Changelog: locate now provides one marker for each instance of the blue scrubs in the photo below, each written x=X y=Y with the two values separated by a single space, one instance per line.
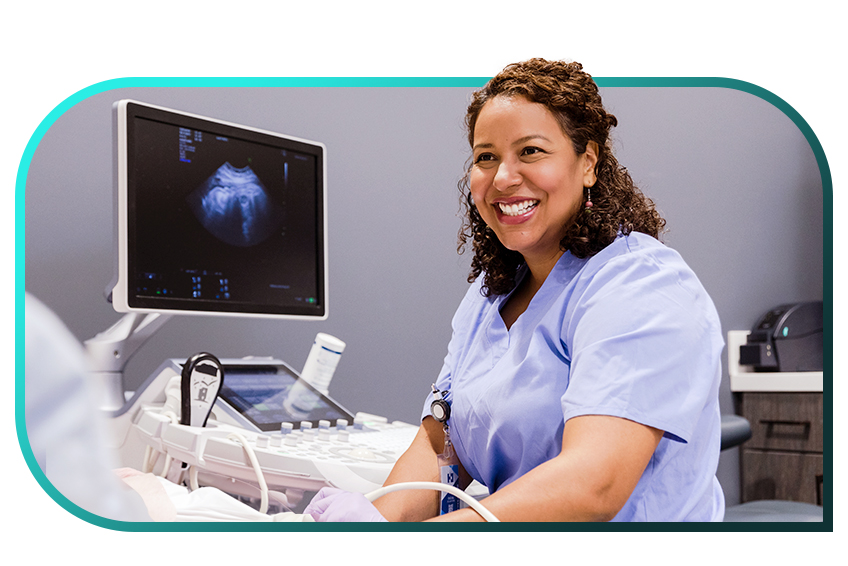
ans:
x=630 y=333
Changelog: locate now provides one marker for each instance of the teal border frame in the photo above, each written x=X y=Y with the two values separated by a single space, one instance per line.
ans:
x=397 y=82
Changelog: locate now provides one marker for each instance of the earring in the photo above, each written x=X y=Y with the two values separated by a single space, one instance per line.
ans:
x=589 y=199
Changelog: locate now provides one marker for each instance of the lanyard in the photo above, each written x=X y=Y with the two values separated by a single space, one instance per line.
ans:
x=448 y=461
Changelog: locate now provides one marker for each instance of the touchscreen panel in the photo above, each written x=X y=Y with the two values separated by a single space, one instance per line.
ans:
x=270 y=395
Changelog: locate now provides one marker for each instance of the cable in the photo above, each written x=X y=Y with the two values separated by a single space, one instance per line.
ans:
x=192 y=478
x=168 y=458
x=149 y=459
x=473 y=503
x=260 y=478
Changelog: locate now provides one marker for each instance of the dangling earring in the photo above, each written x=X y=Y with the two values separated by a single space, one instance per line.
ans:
x=589 y=199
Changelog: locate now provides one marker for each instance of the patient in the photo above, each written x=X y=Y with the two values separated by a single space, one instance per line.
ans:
x=67 y=436
x=63 y=424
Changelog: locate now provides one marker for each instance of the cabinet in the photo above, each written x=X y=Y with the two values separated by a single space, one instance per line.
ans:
x=783 y=459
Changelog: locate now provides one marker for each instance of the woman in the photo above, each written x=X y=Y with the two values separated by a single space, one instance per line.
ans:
x=584 y=367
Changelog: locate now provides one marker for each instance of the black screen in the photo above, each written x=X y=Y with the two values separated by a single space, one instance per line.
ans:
x=222 y=218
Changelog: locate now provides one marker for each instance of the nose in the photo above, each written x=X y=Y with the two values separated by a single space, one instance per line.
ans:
x=507 y=175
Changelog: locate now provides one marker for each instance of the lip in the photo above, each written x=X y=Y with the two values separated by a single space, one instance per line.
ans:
x=519 y=219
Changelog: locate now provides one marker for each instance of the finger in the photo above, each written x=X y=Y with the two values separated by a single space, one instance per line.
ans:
x=322 y=500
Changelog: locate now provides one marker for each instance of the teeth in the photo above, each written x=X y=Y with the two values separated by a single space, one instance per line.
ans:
x=517 y=208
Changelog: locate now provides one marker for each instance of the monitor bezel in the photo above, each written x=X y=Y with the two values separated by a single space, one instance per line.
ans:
x=122 y=298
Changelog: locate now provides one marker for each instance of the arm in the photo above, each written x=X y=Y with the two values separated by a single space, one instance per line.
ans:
x=418 y=463
x=600 y=464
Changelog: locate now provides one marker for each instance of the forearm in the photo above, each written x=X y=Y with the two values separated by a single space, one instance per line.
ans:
x=418 y=463
x=600 y=464
x=553 y=491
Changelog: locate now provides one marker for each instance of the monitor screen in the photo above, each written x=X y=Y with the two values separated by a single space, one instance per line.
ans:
x=271 y=395
x=217 y=218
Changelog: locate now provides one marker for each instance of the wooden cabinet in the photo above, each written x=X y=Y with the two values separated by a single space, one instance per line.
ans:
x=783 y=459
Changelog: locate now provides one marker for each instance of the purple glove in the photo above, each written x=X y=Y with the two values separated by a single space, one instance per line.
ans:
x=331 y=505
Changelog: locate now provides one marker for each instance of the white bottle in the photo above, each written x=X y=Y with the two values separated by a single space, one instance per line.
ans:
x=322 y=361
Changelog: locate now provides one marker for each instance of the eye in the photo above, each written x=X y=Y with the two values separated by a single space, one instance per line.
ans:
x=531 y=151
x=484 y=157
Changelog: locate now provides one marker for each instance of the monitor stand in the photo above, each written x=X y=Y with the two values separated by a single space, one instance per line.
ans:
x=111 y=350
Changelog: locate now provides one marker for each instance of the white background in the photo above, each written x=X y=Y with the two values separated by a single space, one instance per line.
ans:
x=51 y=50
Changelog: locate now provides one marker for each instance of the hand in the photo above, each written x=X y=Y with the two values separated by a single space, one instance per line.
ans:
x=336 y=505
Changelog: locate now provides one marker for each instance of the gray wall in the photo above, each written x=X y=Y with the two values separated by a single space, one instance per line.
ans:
x=736 y=180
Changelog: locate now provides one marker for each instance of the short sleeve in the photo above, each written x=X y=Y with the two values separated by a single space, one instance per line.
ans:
x=460 y=325
x=644 y=339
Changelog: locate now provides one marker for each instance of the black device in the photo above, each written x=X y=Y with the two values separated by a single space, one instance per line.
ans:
x=788 y=338
x=201 y=381
x=217 y=218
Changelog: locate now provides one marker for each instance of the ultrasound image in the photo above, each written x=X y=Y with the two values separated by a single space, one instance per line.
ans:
x=234 y=206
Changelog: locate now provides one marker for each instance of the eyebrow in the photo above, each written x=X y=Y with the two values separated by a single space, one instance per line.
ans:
x=519 y=141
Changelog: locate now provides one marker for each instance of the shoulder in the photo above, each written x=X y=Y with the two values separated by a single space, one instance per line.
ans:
x=638 y=277
x=639 y=261
x=637 y=249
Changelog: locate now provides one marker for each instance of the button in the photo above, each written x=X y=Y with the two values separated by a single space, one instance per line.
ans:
x=322 y=424
x=324 y=435
x=343 y=436
x=305 y=425
x=262 y=441
x=362 y=454
x=286 y=428
x=341 y=424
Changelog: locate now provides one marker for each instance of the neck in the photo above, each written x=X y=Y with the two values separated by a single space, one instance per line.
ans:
x=540 y=267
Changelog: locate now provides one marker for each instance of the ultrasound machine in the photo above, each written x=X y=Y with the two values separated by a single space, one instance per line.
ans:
x=215 y=218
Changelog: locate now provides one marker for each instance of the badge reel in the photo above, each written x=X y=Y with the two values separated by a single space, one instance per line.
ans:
x=448 y=460
x=202 y=379
x=439 y=408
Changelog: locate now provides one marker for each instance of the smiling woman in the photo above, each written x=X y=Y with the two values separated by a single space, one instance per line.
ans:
x=527 y=181
x=582 y=375
x=564 y=100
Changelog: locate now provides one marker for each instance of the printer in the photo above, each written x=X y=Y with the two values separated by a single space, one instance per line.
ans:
x=788 y=338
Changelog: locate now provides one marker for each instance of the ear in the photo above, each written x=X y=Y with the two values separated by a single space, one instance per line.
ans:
x=590 y=161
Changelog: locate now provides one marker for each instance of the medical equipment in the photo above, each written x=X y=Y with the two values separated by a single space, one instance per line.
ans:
x=212 y=218
x=260 y=436
x=322 y=361
x=200 y=383
x=788 y=338
x=216 y=218
x=454 y=491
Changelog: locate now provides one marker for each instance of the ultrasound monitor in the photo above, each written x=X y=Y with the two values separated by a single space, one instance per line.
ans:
x=217 y=218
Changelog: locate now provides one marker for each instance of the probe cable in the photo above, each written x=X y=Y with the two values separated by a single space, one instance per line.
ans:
x=251 y=455
x=473 y=503
x=151 y=457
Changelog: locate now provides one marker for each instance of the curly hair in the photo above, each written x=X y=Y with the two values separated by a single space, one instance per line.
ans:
x=571 y=95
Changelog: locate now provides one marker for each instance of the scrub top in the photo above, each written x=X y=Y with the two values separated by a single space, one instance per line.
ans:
x=629 y=332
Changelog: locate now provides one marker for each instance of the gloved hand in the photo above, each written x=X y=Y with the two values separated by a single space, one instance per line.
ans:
x=337 y=505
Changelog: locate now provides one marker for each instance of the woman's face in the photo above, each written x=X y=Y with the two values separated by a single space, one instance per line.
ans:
x=526 y=179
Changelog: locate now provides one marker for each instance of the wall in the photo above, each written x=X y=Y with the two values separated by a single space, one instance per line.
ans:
x=736 y=180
